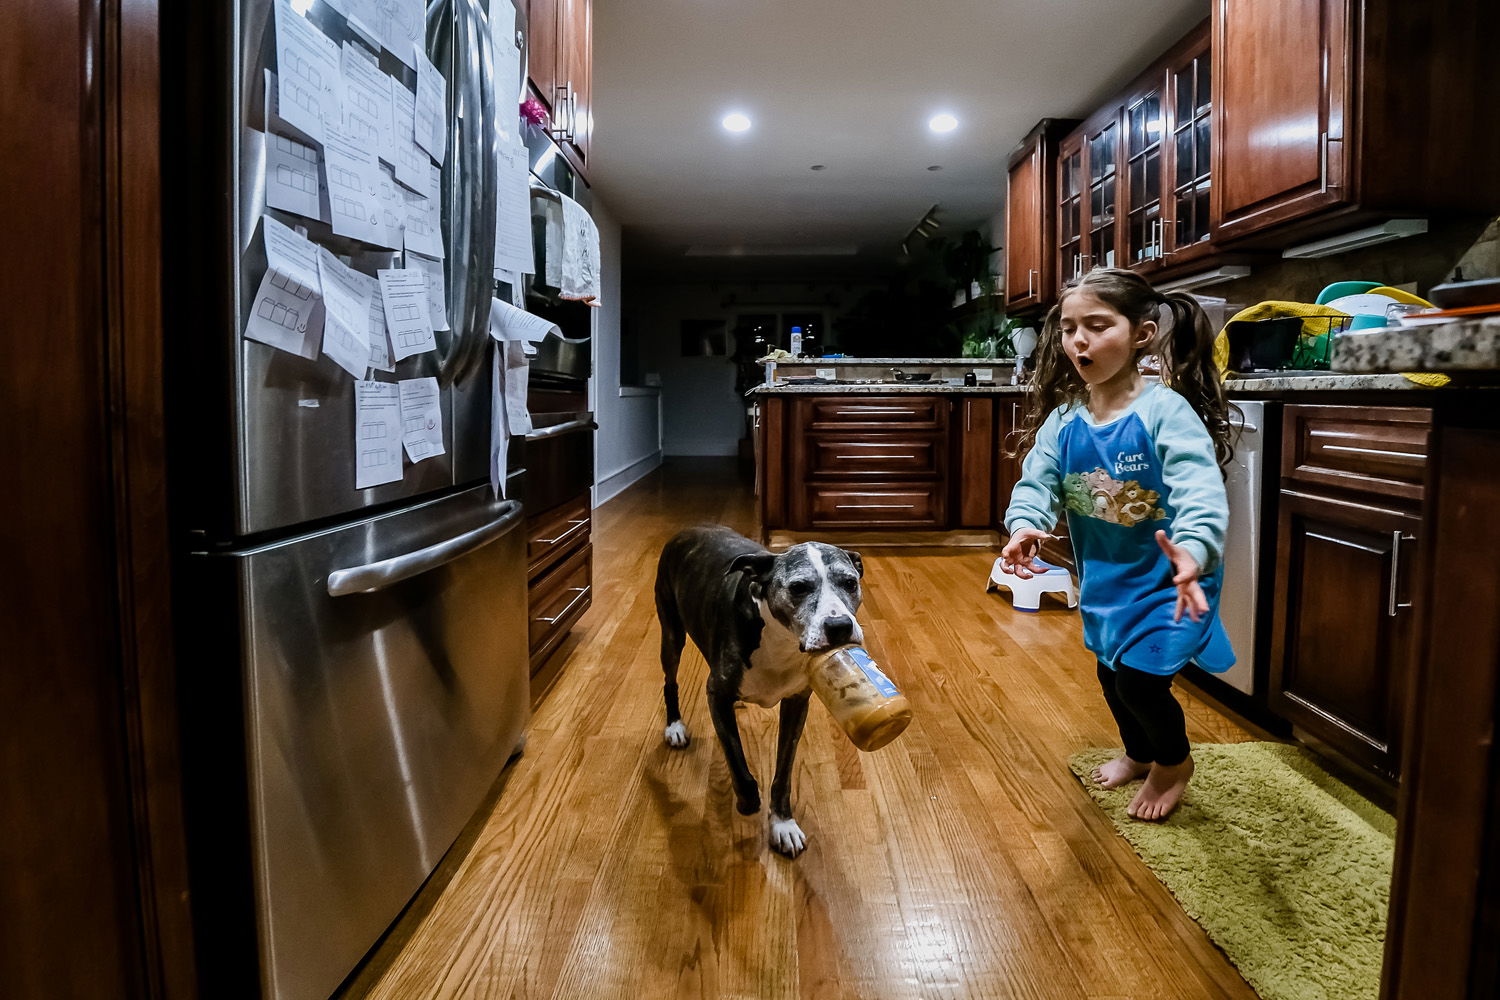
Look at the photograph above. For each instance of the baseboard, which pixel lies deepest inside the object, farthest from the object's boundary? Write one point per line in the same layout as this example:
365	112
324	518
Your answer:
618	482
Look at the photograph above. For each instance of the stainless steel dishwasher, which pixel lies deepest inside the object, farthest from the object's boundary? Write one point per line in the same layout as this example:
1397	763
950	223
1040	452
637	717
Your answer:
1245	485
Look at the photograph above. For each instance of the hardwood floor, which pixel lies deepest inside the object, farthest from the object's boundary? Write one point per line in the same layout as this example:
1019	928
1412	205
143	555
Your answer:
961	861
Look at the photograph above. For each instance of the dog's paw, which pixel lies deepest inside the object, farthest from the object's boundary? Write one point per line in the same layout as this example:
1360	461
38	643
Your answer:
748	803
787	837
676	735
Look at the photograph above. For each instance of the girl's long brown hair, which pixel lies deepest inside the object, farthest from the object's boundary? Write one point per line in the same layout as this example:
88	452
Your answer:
1184	348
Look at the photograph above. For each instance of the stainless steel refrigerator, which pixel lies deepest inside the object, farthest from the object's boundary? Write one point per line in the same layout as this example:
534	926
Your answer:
353	662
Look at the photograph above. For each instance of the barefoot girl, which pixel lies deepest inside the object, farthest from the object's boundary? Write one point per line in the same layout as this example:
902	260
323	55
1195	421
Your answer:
1135	465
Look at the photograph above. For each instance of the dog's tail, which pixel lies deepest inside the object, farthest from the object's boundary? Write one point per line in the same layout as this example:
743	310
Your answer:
673	638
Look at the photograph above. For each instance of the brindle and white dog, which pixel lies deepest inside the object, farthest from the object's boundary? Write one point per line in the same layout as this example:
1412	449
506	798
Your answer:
755	615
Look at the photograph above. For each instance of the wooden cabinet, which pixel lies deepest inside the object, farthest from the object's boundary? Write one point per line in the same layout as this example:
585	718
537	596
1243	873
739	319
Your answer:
1088	198
1328	110
559	574
976	461
1030	218
1187	226
1349	564
560	69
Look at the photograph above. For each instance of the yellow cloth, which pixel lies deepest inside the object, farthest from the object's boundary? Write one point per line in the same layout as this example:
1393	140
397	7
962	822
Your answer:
1274	309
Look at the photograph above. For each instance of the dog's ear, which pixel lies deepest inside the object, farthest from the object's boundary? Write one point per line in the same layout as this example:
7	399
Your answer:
756	564
859	564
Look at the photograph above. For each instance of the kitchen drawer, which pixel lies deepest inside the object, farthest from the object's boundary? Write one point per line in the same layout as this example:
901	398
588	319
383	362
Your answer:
1379	450
552	535
904	506
885	455
901	412
558	599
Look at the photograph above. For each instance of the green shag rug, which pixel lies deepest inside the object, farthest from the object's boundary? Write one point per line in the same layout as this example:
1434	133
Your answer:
1287	868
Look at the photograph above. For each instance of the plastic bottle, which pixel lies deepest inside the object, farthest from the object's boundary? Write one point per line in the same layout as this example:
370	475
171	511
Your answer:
866	704
796	346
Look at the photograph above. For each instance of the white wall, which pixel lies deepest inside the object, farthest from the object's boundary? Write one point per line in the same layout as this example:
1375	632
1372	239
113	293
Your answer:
628	442
701	413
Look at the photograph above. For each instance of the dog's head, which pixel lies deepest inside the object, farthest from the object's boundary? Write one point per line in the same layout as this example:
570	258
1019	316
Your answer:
812	589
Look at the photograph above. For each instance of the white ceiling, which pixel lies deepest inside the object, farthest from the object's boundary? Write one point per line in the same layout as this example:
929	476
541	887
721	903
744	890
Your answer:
845	83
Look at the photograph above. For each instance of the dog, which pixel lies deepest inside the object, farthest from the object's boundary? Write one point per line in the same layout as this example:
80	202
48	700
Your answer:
755	615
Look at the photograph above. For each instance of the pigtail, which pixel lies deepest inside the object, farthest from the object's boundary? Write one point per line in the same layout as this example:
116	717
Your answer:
1054	382
1186	352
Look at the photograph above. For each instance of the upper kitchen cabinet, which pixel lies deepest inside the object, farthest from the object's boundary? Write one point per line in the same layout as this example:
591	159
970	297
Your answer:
1088	192
560	69
1328	113
1030	218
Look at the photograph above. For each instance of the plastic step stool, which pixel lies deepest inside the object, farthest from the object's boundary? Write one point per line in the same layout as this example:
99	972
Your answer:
1026	595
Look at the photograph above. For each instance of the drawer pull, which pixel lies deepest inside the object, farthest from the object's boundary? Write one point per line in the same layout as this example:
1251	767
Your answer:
1375	451
858	411
580	591
1397	537
875	506
565	534
871	458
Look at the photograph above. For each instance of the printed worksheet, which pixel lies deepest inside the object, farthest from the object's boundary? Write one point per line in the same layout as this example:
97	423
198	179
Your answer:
508	323
308	73
380	339
509	86
292	176
346	325
499	431
513	209
404	25
286	313
353	188
366	102
411	161
437	288
377	434
424	224
421	418
432	106
405	293
392	210
517	375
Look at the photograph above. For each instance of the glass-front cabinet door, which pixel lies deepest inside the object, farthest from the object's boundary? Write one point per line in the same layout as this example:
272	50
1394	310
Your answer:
1191	103
1102	182
1070	195
1143	168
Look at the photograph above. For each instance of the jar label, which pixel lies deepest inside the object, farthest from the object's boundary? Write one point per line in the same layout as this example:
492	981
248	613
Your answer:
881	681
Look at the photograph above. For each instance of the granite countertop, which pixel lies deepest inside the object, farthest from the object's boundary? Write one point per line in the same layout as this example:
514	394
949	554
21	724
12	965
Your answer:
885	389
930	362
1321	382
1467	346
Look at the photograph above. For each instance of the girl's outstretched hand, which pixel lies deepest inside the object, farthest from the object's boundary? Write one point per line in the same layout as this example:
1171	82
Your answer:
1021	550
1185	575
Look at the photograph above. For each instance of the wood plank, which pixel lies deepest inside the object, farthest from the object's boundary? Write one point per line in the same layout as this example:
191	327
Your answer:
962	860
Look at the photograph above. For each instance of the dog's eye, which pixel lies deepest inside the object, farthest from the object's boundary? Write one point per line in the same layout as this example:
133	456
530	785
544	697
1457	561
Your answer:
799	588
846	583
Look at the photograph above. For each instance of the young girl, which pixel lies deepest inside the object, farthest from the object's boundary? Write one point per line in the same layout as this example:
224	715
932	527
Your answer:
1136	467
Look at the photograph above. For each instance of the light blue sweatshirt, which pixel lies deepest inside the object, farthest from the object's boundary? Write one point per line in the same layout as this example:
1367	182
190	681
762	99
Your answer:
1150	468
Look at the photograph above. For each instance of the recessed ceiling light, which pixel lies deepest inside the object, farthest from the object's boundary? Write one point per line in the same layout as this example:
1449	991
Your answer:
818	166
736	122
936	166
942	123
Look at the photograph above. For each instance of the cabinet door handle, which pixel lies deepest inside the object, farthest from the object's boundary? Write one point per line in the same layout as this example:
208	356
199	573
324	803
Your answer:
1397	537
1156	238
565	534
968	410
580	591
1029	290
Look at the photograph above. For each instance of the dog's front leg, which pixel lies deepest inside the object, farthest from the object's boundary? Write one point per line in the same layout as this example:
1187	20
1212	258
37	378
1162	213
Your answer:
786	836
721	710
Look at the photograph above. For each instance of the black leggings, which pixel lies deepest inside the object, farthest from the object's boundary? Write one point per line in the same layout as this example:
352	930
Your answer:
1150	720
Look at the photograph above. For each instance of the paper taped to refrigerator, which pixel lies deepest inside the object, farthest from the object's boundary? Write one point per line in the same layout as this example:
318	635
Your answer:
507	323
405	293
353	187
377	434
307	64
499	432
292	181
517	378
424	225
437	290
432	107
513	209
380	340
346	325
421	418
509	85
366	103
411	161
287	311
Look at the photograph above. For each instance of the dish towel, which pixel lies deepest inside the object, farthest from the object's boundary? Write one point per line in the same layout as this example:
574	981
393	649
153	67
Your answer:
1274	309
580	254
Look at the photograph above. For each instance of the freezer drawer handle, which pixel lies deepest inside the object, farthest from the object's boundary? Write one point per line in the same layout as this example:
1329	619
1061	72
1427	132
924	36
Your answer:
378	575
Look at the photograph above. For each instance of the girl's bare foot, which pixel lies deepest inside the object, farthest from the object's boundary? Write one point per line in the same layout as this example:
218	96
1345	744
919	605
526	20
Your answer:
1118	771
1162	791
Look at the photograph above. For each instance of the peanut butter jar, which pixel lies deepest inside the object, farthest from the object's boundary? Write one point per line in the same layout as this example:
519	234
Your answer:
866	704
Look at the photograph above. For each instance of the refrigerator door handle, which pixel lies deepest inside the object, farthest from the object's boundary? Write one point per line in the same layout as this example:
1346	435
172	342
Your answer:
378	575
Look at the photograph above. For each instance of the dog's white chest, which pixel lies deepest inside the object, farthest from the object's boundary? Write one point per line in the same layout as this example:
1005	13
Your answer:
778	668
